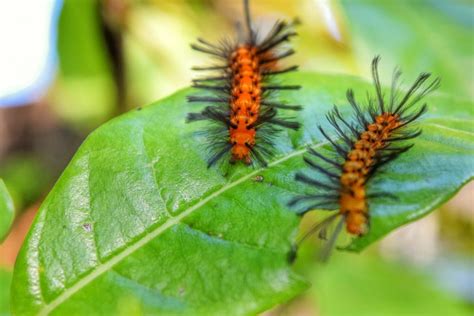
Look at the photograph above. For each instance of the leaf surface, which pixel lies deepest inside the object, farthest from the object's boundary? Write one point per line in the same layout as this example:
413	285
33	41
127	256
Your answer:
138	221
7	211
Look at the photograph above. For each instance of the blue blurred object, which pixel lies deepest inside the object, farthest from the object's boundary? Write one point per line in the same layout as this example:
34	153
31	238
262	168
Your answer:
28	55
455	274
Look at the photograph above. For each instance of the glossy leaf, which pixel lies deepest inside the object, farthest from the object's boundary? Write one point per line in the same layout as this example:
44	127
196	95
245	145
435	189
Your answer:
7	211
138	220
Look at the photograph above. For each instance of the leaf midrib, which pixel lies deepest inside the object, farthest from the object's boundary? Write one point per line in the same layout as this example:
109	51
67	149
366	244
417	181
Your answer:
106	266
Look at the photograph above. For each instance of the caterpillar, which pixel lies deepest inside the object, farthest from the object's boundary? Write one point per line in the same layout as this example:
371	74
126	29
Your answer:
369	141
243	109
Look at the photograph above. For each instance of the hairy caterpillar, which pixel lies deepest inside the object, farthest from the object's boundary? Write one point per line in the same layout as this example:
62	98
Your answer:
243	111
366	143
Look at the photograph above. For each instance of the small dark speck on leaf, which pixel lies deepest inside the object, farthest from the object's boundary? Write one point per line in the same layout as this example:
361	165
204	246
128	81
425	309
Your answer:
258	178
87	227
139	108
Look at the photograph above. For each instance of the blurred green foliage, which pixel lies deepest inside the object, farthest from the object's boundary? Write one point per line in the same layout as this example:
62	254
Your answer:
5	282
26	178
370	286
428	35
7	211
84	92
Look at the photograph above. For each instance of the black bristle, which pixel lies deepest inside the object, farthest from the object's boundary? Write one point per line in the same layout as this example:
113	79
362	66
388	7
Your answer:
282	71
277	57
292	87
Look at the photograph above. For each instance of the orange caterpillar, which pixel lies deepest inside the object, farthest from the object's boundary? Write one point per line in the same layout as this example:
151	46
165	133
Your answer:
357	167
364	145
244	115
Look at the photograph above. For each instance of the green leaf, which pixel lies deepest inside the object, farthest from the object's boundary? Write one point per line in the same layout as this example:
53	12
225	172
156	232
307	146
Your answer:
7	211
138	220
5	282
440	40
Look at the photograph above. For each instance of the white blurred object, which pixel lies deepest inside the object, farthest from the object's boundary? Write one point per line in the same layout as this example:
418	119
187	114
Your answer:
416	243
462	205
27	49
328	14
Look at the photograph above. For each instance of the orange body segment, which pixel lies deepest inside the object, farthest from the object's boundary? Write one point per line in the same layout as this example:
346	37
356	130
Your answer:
245	102
356	169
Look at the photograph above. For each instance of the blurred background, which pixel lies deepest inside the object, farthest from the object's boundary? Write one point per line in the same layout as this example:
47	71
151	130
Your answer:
67	66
